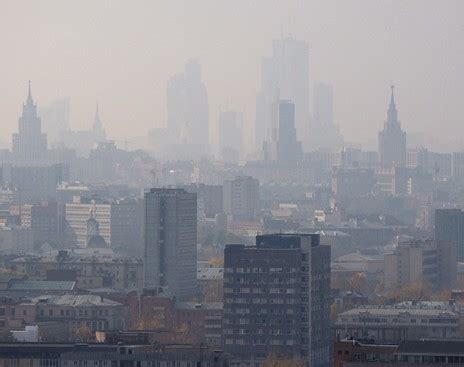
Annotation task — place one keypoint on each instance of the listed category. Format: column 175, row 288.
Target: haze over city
column 122, row 53
column 231, row 183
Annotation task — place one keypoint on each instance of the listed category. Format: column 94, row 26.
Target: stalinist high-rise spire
column 29, row 96
column 97, row 124
column 97, row 128
column 29, row 143
column 392, row 113
column 392, row 140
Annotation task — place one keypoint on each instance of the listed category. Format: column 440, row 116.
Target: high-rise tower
column 171, row 241
column 29, row 142
column 392, row 139
column 188, row 111
column 284, row 75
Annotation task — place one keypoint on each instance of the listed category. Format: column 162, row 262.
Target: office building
column 118, row 222
column 45, row 219
column 391, row 324
column 392, row 140
column 171, row 241
column 324, row 133
column 352, row 182
column 288, row 147
column 284, row 75
column 241, row 198
column 458, row 167
column 55, row 118
column 29, row 143
column 230, row 136
column 428, row 262
column 449, row 226
column 33, row 183
column 276, row 298
column 188, row 111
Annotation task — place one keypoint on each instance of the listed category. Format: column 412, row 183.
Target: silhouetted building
column 171, row 241
column 82, row 141
column 449, row 226
column 288, row 147
column 241, row 198
column 29, row 143
column 323, row 133
column 188, row 113
column 392, row 140
column 284, row 75
column 34, row 183
column 277, row 298
column 55, row 118
column 352, row 182
column 230, row 136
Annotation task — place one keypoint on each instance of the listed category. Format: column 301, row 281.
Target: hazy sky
column 123, row 52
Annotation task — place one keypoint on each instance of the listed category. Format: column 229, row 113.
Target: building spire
column 392, row 114
column 97, row 125
column 392, row 98
column 29, row 94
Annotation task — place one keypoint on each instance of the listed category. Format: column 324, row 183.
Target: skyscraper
column 277, row 298
column 29, row 143
column 392, row 140
column 241, row 198
column 288, row 148
column 284, row 75
column 171, row 241
column 324, row 133
column 230, row 136
column 188, row 111
column 55, row 118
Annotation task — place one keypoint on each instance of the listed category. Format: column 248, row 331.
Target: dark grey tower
column 277, row 298
column 392, row 140
column 171, row 241
column 288, row 148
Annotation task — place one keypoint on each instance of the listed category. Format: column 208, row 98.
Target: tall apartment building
column 276, row 298
column 449, row 226
column 241, row 198
column 171, row 241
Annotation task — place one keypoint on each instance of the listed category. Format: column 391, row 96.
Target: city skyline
column 398, row 49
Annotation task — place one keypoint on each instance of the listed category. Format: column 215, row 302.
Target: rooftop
column 74, row 300
column 33, row 285
column 210, row 273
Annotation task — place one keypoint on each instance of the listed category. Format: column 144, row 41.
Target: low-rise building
column 404, row 321
column 88, row 271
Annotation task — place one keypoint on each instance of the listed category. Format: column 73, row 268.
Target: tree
column 275, row 360
column 214, row 292
column 83, row 333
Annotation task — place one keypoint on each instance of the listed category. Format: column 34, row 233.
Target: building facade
column 171, row 241
column 276, row 298
column 241, row 198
